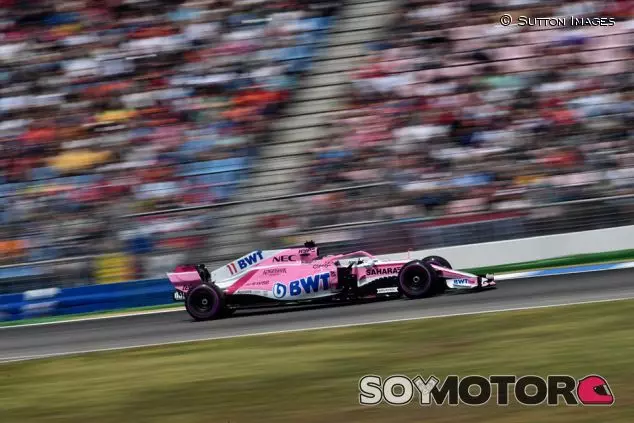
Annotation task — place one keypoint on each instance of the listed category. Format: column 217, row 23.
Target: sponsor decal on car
column 307, row 285
column 277, row 271
column 253, row 292
column 321, row 265
column 279, row 290
column 244, row 262
column 258, row 283
column 185, row 288
column 463, row 282
column 386, row 290
column 179, row 296
column 383, row 271
column 285, row 259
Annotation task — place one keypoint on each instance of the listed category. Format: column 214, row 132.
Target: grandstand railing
column 380, row 235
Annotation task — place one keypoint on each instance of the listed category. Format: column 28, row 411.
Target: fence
column 390, row 236
column 369, row 222
column 144, row 245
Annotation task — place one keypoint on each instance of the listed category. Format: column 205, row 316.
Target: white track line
column 88, row 319
column 277, row 332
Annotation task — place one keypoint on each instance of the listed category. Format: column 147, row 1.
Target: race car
column 299, row 276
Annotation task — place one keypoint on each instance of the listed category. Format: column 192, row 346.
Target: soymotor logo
column 478, row 390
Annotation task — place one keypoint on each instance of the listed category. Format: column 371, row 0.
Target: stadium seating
column 444, row 112
column 122, row 107
column 117, row 108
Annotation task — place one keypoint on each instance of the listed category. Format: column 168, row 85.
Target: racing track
column 18, row 343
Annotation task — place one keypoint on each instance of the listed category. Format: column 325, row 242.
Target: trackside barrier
column 85, row 299
column 609, row 244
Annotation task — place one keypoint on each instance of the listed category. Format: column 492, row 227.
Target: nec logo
column 285, row 258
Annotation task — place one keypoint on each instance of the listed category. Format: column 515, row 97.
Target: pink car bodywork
column 300, row 274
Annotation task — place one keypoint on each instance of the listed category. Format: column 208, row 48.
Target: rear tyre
column 205, row 302
column 417, row 279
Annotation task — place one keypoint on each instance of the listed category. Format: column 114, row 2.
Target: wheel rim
column 415, row 279
column 202, row 303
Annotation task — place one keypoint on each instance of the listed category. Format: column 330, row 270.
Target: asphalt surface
column 37, row 341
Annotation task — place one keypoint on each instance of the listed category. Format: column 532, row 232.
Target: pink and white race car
column 297, row 276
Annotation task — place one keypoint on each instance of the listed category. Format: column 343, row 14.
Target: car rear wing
column 185, row 277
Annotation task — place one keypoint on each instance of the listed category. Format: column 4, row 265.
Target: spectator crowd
column 117, row 107
column 113, row 107
column 463, row 115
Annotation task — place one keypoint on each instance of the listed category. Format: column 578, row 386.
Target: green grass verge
column 312, row 376
column 580, row 259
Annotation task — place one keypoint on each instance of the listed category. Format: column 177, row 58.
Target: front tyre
column 417, row 279
column 205, row 302
column 437, row 260
column 440, row 285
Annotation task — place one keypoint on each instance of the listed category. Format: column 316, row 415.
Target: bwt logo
column 245, row 261
column 310, row 284
column 477, row 390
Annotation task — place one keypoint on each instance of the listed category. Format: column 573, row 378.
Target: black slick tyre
column 417, row 279
column 205, row 302
column 440, row 285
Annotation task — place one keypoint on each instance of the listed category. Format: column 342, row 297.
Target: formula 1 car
column 297, row 276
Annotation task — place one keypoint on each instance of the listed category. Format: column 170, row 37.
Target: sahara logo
column 245, row 262
column 307, row 285
column 383, row 271
column 477, row 390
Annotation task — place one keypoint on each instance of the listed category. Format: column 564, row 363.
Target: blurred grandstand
column 137, row 135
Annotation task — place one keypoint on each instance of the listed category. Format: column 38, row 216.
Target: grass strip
column 313, row 376
column 575, row 260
